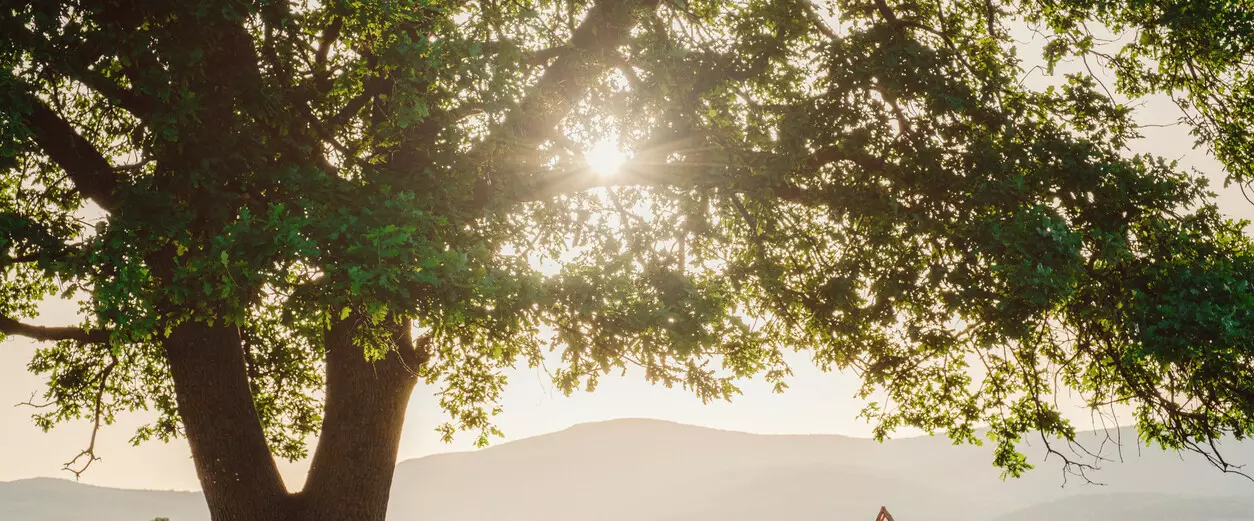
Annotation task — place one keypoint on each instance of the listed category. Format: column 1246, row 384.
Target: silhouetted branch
column 92, row 174
column 606, row 26
column 75, row 65
column 10, row 326
column 30, row 402
column 98, row 411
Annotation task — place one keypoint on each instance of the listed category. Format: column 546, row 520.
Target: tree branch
column 543, row 56
column 20, row 259
column 587, row 55
column 606, row 26
column 11, row 326
column 98, row 413
column 817, row 19
column 86, row 166
column 372, row 89
column 330, row 34
column 76, row 65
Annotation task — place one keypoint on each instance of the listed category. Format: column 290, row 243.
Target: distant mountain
column 647, row 470
column 46, row 499
column 1144, row 507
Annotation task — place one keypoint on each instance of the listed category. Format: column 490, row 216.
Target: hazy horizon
column 1131, row 448
column 674, row 471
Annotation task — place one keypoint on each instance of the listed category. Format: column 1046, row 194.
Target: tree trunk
column 351, row 473
column 239, row 477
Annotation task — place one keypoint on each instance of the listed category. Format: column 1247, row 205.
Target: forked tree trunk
column 352, row 467
column 353, row 464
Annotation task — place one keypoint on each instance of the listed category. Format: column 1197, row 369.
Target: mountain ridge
column 640, row 469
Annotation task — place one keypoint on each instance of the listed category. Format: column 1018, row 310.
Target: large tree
column 280, row 215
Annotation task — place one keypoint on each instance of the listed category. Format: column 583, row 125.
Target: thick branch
column 372, row 89
column 589, row 54
column 10, row 326
column 136, row 104
column 77, row 66
column 85, row 165
column 20, row 259
column 322, row 77
column 819, row 23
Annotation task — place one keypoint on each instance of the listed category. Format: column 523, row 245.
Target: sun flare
column 605, row 158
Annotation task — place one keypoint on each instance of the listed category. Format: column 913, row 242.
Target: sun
column 605, row 158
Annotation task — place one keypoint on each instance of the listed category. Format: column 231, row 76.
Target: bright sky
column 816, row 402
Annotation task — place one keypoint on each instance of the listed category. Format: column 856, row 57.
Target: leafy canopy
column 865, row 182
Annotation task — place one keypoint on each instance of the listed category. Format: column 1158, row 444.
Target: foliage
column 868, row 183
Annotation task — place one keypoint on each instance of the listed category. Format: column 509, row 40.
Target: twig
column 90, row 451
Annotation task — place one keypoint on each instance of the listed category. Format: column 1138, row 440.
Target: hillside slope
column 647, row 470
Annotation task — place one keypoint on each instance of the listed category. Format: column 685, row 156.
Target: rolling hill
column 647, row 470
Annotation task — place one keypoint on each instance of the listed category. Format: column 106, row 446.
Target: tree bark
column 351, row 473
column 237, row 473
column 350, row 477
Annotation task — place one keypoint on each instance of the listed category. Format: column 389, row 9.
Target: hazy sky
column 816, row 402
